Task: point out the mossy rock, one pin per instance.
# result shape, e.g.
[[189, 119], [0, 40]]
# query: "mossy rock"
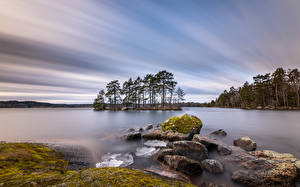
[[27, 164], [182, 124]]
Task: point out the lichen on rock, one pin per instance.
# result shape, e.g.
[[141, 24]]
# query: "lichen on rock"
[[182, 124]]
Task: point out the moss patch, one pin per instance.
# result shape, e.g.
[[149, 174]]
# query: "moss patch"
[[26, 164], [182, 124]]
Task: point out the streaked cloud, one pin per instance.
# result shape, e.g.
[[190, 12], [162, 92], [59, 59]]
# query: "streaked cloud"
[[66, 51]]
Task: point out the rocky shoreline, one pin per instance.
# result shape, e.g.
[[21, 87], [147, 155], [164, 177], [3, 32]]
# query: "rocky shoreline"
[[190, 154]]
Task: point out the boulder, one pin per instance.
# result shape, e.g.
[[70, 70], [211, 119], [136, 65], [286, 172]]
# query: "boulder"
[[160, 155], [263, 168], [190, 149], [182, 124], [245, 143], [208, 142], [219, 132], [212, 166], [130, 130], [148, 127], [132, 136], [140, 129], [194, 131], [224, 149], [168, 135], [182, 164]]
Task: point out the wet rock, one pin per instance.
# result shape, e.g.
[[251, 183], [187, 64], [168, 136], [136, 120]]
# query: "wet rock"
[[148, 127], [264, 168], [132, 136], [219, 132], [145, 151], [168, 135], [224, 150], [245, 143], [212, 166], [190, 149], [208, 142], [169, 174], [115, 160], [141, 130], [182, 164], [160, 155], [194, 131]]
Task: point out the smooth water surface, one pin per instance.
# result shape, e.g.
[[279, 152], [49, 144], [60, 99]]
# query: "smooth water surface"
[[100, 131]]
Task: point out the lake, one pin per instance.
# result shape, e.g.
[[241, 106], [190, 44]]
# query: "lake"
[[99, 131]]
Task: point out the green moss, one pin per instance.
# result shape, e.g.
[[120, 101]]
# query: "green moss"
[[182, 124], [25, 164]]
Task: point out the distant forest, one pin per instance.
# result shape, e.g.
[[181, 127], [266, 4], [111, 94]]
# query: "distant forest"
[[151, 90], [278, 90]]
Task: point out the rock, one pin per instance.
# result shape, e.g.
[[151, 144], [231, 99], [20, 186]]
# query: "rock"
[[140, 129], [245, 143], [194, 131], [130, 130], [219, 132], [209, 184], [264, 168], [148, 127], [155, 143], [212, 166], [182, 124], [145, 151], [224, 150], [168, 135], [169, 174], [183, 164], [208, 142], [132, 136], [160, 155], [190, 149]]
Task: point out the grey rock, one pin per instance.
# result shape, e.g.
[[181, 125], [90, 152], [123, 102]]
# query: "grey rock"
[[208, 142], [224, 150], [219, 132], [190, 149], [245, 143], [132, 136], [148, 127], [183, 164]]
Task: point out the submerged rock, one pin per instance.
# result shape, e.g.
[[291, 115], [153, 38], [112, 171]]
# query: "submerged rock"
[[245, 143], [182, 124], [145, 151], [190, 149], [132, 136], [219, 132], [148, 127], [130, 130], [182, 164], [155, 143], [224, 149], [115, 160], [212, 166]]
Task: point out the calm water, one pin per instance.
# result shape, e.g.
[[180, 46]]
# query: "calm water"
[[99, 131]]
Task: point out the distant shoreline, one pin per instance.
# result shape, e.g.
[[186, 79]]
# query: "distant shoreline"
[[35, 104]]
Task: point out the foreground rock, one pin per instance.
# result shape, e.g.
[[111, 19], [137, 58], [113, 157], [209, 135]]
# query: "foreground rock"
[[132, 136], [219, 132], [245, 143], [208, 142], [190, 149], [264, 168], [25, 164], [168, 135], [212, 166]]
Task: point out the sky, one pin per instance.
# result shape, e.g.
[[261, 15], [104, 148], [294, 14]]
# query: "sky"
[[66, 51]]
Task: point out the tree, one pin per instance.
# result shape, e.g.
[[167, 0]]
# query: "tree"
[[99, 103], [278, 81], [165, 82], [180, 94], [294, 80], [246, 95], [113, 91]]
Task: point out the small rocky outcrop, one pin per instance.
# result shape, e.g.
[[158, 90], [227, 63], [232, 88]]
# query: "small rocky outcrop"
[[132, 136], [190, 149], [264, 168], [212, 166], [219, 132], [245, 143], [182, 164], [182, 124]]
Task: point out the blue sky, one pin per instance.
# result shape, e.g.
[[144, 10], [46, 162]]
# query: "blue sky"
[[65, 51]]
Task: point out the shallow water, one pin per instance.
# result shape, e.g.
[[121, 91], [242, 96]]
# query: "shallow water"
[[100, 131]]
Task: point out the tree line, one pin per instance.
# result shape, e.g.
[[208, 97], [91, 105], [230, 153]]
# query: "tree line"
[[277, 90], [151, 90]]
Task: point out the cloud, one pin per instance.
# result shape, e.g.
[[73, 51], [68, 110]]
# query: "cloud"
[[75, 47]]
